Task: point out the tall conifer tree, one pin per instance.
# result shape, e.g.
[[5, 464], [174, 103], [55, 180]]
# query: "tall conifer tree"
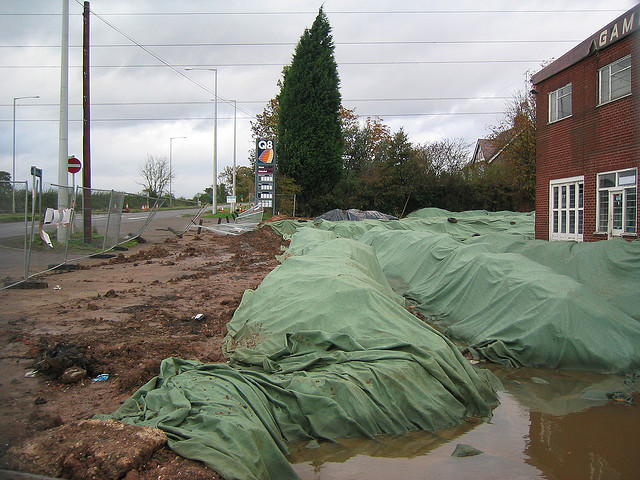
[[310, 143]]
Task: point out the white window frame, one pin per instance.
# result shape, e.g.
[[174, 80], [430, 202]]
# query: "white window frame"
[[556, 99], [566, 209], [605, 92], [604, 213]]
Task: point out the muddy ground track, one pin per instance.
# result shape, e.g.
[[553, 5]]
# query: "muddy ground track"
[[118, 317]]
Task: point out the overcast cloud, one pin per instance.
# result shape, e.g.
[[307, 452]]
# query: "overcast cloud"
[[436, 69]]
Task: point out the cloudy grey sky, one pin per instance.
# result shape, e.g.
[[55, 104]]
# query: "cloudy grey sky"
[[436, 69]]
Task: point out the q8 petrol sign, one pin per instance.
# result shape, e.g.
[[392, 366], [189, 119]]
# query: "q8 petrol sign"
[[266, 173]]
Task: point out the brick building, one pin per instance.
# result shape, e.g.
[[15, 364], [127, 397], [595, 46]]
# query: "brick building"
[[588, 137]]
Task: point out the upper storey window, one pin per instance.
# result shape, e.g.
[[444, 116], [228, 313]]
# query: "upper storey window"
[[560, 103], [614, 80]]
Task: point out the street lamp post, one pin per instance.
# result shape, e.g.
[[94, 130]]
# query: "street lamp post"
[[235, 111], [170, 167], [214, 206], [13, 172]]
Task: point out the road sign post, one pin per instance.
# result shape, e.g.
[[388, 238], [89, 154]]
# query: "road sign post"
[[73, 166]]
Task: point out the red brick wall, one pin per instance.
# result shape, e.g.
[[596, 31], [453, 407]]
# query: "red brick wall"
[[594, 139]]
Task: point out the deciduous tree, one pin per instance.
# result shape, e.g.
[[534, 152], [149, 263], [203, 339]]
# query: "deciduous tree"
[[516, 136], [245, 181], [5, 187], [362, 143], [155, 175]]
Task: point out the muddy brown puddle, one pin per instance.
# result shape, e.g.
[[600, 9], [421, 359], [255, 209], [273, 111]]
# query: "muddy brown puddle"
[[549, 425]]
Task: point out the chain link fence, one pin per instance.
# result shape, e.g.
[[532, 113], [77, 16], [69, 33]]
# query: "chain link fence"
[[40, 237], [14, 232], [285, 204]]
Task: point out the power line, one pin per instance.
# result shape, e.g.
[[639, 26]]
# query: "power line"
[[344, 12], [161, 60], [177, 119], [375, 43], [189, 102], [241, 65], [148, 119], [146, 49], [251, 116]]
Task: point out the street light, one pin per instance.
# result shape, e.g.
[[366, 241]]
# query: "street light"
[[13, 172], [170, 169], [235, 110], [215, 135]]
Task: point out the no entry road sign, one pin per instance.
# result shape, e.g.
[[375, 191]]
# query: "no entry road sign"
[[74, 165]]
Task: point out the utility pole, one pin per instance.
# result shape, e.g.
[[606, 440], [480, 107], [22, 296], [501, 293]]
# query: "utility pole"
[[86, 126]]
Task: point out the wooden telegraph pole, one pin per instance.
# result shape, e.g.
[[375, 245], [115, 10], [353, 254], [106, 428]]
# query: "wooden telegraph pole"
[[86, 128]]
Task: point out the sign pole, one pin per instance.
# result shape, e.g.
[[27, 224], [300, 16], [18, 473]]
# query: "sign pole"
[[86, 126], [73, 166]]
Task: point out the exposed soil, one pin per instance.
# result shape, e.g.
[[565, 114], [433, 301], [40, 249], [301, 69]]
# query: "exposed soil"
[[118, 317]]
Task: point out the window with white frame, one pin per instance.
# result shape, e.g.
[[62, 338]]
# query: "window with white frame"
[[614, 80], [560, 103], [617, 202], [566, 209]]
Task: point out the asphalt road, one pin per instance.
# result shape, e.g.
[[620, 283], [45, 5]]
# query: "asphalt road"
[[13, 258], [130, 222]]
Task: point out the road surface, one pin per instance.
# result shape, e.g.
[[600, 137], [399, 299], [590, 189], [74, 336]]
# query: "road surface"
[[13, 257], [131, 222]]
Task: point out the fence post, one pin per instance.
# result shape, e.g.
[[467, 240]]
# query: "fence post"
[[26, 229], [104, 238], [36, 173], [72, 222]]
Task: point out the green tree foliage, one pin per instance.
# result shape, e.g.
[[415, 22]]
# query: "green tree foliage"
[[362, 142], [266, 123], [385, 171], [516, 137], [206, 197], [5, 191], [387, 178], [309, 142], [245, 181], [287, 195], [434, 176]]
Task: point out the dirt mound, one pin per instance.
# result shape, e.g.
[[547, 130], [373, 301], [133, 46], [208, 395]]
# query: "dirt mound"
[[88, 449], [155, 252], [55, 359]]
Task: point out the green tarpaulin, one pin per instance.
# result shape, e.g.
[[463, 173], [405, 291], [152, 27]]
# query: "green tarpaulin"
[[520, 302], [325, 347], [322, 349], [459, 225], [610, 268], [511, 299]]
